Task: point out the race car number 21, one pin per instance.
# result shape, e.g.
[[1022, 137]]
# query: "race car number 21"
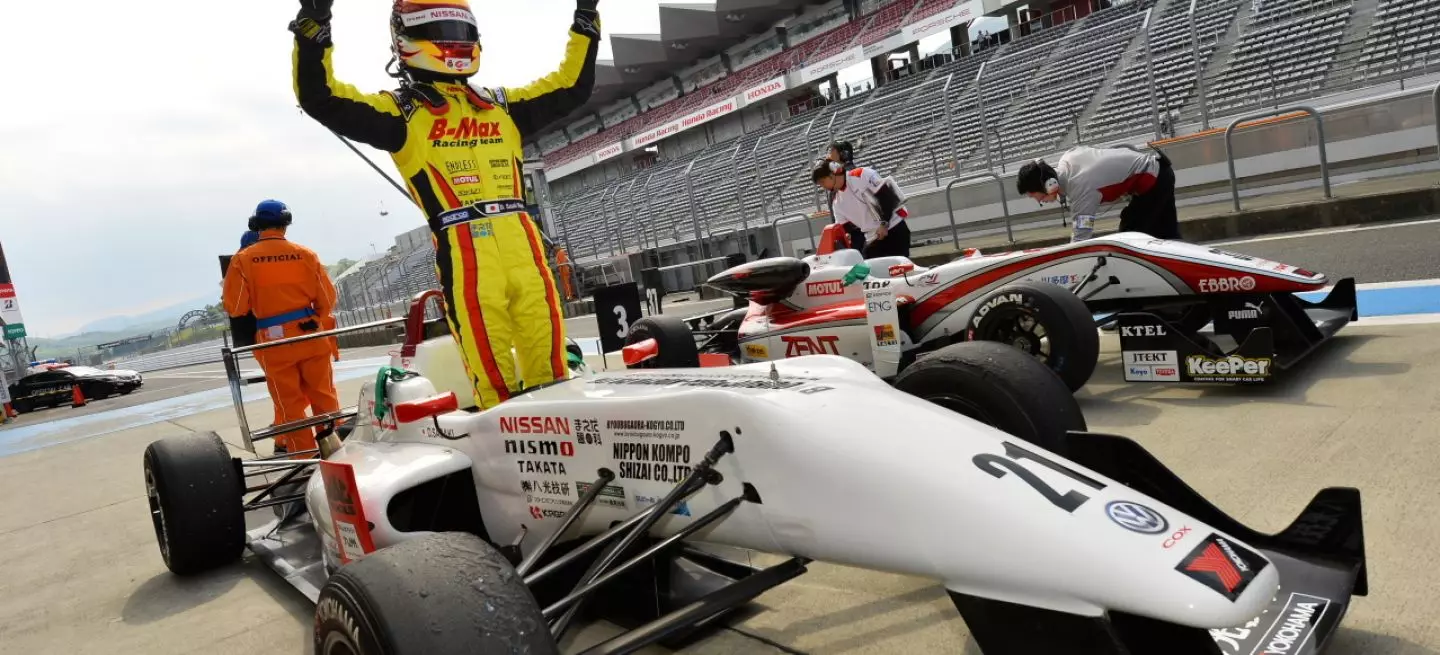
[[997, 466]]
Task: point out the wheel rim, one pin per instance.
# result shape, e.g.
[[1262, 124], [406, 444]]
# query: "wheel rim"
[[336, 644], [961, 405], [157, 513], [1020, 328]]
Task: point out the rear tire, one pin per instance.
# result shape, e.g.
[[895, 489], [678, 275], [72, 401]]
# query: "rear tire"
[[674, 339], [1068, 327], [441, 594], [195, 495], [1000, 386]]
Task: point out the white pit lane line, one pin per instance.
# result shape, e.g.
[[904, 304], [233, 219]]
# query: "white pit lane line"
[[1325, 232]]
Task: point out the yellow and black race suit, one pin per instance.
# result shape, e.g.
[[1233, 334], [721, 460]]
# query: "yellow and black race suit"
[[459, 149]]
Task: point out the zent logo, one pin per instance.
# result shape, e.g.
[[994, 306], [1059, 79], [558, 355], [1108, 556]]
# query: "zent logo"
[[822, 345], [1136, 517], [827, 288], [1227, 284]]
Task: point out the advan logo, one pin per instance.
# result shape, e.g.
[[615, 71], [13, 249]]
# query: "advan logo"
[[992, 303], [1227, 284], [1249, 313], [827, 288]]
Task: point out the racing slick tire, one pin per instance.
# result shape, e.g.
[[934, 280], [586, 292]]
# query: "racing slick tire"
[[675, 342], [1000, 386], [1012, 315], [446, 593], [195, 492]]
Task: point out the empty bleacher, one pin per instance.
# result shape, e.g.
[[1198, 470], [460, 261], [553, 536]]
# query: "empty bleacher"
[[1400, 40], [1285, 52], [1126, 109]]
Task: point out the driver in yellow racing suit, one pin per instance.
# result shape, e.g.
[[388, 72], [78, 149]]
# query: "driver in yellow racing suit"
[[459, 148]]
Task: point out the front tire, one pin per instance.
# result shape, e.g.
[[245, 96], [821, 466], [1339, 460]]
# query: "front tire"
[[673, 337], [195, 495], [1045, 320], [441, 594], [999, 386]]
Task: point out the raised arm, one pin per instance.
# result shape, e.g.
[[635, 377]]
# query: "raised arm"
[[370, 118], [554, 96]]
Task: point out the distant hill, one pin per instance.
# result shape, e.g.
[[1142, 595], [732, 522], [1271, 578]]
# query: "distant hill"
[[140, 323]]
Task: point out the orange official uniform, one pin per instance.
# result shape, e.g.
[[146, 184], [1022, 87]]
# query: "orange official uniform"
[[287, 288]]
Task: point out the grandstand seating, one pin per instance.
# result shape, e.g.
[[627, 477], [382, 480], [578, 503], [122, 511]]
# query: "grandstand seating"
[[1286, 51], [1126, 108], [1400, 39]]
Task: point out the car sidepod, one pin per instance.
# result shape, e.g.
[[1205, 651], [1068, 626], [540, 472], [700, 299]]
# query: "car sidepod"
[[1271, 333]]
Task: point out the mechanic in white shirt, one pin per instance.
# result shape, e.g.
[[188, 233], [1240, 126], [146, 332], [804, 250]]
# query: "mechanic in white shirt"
[[860, 196], [1089, 177]]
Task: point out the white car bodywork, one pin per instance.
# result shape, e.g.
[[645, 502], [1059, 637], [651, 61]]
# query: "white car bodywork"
[[848, 471], [821, 316]]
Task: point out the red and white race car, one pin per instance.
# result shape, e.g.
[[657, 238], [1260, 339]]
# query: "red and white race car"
[[1047, 301]]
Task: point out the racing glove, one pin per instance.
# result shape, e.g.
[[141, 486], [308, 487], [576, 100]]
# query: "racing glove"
[[587, 19], [312, 23]]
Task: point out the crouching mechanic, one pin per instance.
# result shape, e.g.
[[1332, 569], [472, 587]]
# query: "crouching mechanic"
[[458, 148], [1089, 177], [861, 197], [290, 293]]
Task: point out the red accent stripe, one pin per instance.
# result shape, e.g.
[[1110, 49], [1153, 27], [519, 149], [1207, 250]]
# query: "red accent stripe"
[[784, 318], [1138, 184], [557, 360], [1190, 272], [440, 181], [470, 281]]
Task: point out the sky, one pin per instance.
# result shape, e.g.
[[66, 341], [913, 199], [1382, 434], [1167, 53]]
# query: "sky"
[[134, 147]]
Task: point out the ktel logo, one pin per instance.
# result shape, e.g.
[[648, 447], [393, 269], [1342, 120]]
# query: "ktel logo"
[[469, 128], [828, 288], [822, 345]]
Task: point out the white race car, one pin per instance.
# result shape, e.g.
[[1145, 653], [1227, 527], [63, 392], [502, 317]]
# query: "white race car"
[[433, 529]]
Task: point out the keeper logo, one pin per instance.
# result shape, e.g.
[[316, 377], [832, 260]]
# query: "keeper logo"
[[1200, 366]]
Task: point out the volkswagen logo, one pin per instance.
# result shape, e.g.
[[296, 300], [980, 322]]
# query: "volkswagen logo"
[[1136, 517]]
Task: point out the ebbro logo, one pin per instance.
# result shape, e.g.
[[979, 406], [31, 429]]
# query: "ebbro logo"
[[827, 288], [468, 134], [1200, 366], [1227, 284], [992, 303]]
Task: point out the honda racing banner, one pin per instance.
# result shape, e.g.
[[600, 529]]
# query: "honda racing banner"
[[832, 65], [9, 304], [697, 117], [608, 152], [940, 22], [761, 92]]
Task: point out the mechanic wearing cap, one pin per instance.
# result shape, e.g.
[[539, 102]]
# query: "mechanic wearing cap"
[[842, 158], [1089, 177], [289, 291], [459, 149], [861, 197]]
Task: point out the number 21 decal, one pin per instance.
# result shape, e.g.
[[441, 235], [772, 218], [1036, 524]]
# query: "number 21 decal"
[[997, 466]]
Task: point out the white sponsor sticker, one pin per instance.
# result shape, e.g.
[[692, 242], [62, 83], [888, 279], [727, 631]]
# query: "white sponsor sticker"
[[435, 14], [1150, 358]]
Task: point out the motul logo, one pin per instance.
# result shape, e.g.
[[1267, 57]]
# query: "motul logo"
[[534, 425], [469, 128], [465, 179], [800, 346], [828, 288]]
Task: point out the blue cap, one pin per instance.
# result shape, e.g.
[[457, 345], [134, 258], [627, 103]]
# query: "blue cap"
[[270, 213], [248, 239]]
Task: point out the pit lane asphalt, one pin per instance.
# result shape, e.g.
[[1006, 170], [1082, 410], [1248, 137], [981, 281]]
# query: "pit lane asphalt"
[[81, 573]]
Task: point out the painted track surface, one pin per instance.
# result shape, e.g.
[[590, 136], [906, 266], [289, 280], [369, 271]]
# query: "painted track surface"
[[82, 575]]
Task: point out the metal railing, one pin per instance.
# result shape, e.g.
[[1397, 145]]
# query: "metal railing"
[[231, 358], [950, 204], [793, 218], [1319, 130]]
